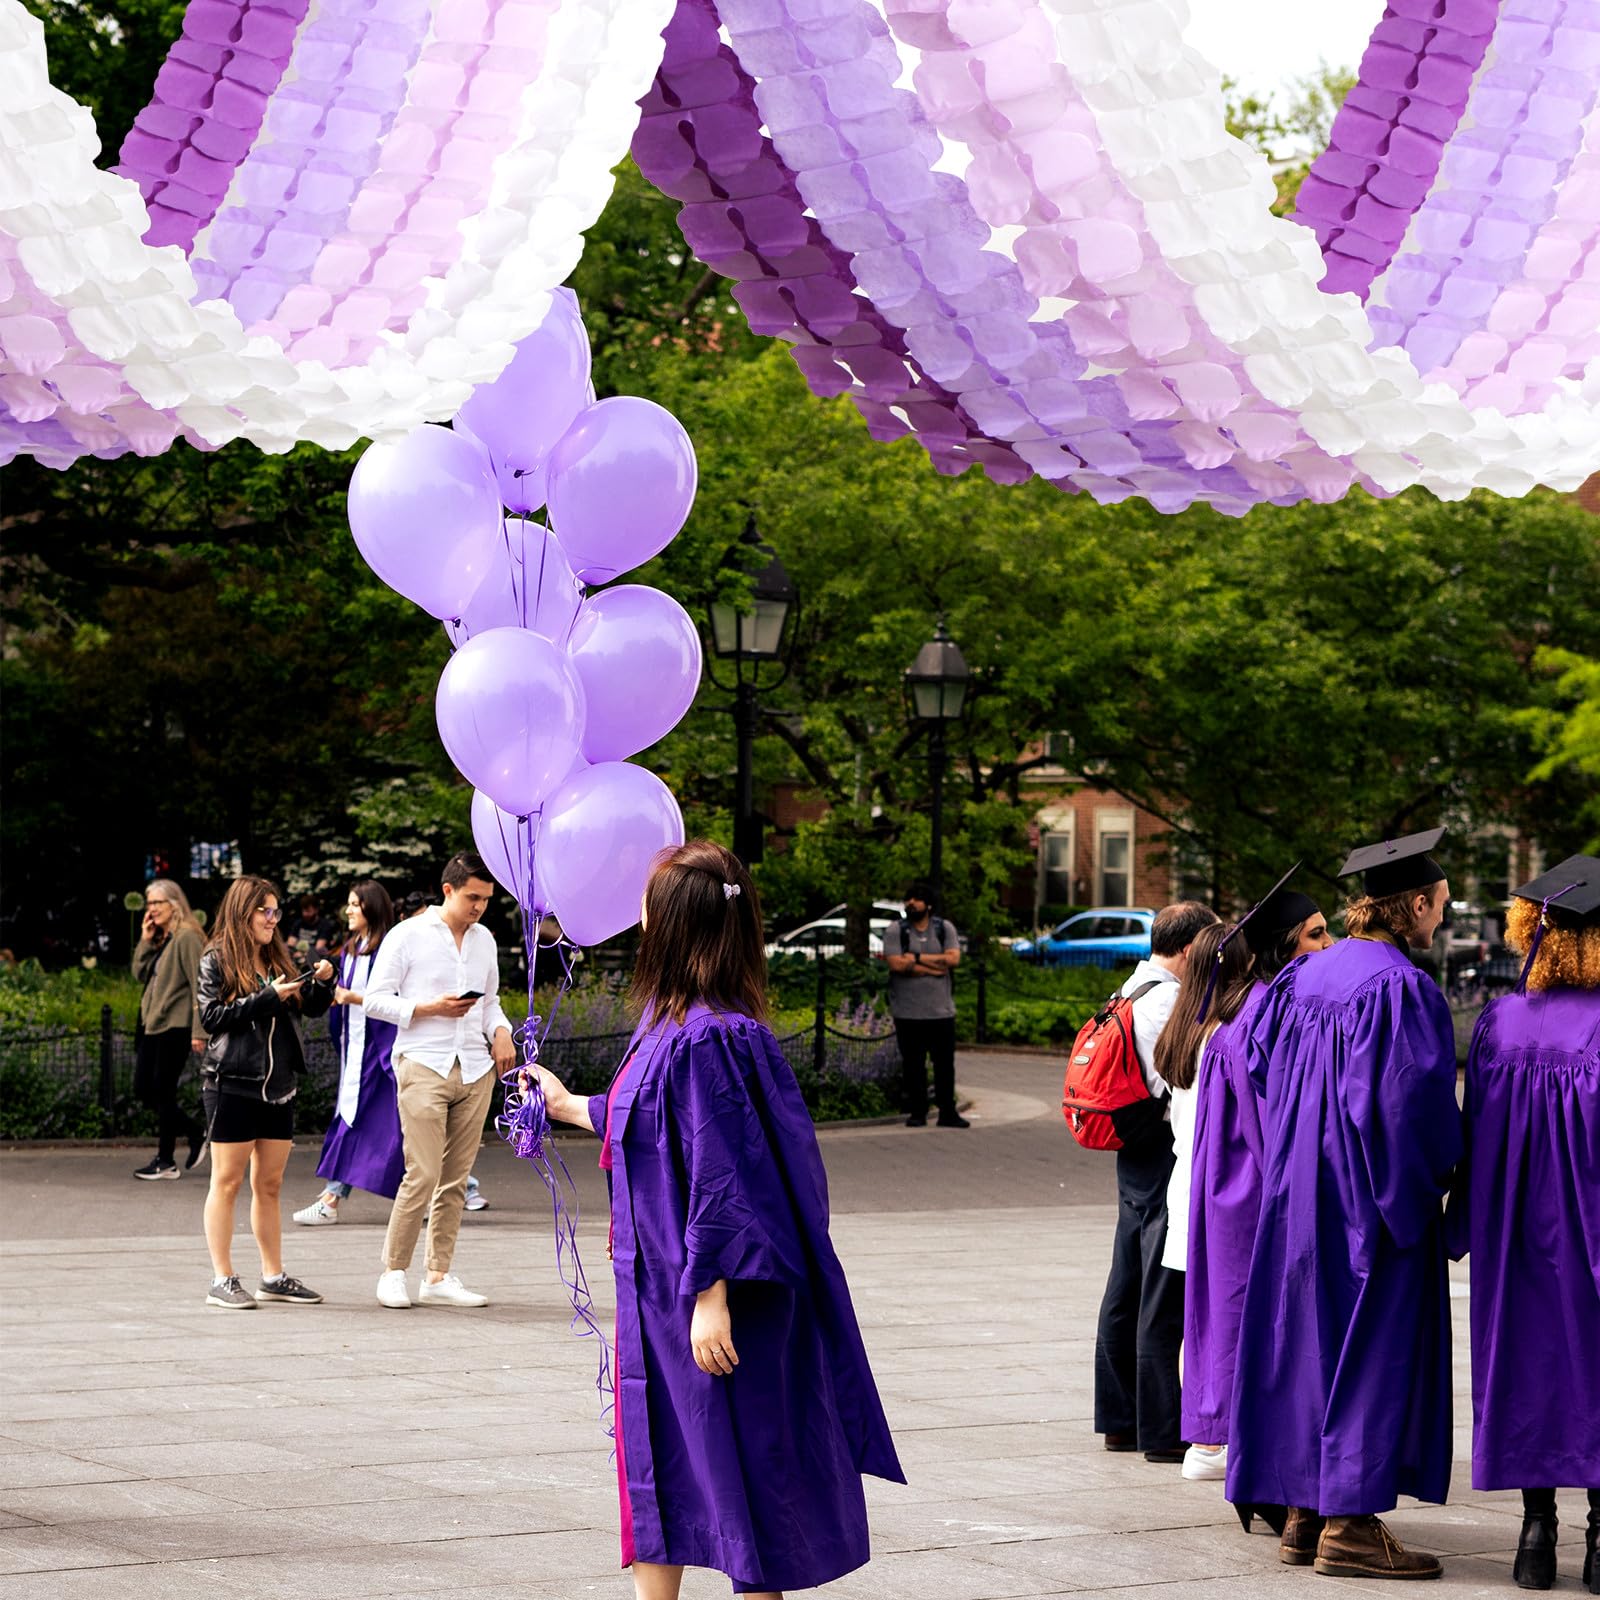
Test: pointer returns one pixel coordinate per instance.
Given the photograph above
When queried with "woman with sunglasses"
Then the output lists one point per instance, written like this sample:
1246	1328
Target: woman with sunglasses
252	997
167	963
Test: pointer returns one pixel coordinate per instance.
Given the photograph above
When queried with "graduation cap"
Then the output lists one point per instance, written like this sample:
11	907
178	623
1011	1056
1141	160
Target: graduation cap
1396	865
1569	893
1264	921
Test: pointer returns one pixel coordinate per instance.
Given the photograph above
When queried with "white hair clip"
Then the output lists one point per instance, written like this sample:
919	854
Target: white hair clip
729	890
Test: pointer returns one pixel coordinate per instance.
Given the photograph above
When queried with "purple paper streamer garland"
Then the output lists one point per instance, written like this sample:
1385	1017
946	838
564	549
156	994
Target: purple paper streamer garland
1389	137
1499	180
700	141
206	110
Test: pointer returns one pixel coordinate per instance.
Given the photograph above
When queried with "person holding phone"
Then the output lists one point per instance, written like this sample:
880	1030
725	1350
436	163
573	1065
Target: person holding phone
437	980
252	997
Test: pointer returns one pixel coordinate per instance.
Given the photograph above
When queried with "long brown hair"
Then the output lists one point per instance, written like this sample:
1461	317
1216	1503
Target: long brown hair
1178	1047
242	957
702	940
1568	958
378	909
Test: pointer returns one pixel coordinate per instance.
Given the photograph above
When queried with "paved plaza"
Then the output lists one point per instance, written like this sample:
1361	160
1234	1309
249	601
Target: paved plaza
150	1447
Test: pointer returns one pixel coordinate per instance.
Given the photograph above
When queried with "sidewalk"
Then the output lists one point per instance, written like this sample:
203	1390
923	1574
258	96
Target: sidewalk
152	1448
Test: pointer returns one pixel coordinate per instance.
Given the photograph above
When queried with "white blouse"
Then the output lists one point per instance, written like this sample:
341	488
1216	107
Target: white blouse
1185	1110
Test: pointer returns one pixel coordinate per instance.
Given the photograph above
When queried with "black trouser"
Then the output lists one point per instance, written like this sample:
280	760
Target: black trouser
919	1038
1141	1317
156	1071
1542	1502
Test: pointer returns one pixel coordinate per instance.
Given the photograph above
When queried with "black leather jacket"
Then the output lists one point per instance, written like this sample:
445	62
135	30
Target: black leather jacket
248	1036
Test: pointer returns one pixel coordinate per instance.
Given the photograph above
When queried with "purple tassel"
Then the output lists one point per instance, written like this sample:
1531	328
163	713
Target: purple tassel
1538	936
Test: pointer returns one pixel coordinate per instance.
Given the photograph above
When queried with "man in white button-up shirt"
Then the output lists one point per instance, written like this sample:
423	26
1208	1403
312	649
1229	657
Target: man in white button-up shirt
437	978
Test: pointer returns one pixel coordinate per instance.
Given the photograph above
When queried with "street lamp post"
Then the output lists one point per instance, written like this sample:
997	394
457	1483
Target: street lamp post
936	688
752	634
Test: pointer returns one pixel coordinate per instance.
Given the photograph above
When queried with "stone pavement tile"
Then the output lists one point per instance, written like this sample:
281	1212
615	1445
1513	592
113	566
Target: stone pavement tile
55	1549
1457	1530
369	1447
40	1469
934	1575
148	1581
567	1471
9	1519
919	1446
1094	1561
953	1477
313	1485
433	1517
201	1457
225	1531
96	1502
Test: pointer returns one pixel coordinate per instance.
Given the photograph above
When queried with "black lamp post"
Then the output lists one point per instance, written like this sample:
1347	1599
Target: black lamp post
936	689
754	634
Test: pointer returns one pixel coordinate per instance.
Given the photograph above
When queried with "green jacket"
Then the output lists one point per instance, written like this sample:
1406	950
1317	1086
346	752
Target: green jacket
168	972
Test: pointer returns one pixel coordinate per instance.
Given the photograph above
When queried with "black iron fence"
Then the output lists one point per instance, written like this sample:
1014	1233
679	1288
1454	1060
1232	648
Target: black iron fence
62	1083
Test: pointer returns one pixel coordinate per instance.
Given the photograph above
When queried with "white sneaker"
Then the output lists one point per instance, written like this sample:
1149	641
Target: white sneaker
449	1291
319	1214
1205	1466
475	1200
392	1291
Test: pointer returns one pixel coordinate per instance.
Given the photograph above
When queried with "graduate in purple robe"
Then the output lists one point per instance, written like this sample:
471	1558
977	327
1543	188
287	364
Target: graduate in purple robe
1225	1188
364	1148
746	1410
1341	1392
1527	1204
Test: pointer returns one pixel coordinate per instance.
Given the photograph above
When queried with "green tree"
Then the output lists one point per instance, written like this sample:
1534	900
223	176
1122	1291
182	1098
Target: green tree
1569	738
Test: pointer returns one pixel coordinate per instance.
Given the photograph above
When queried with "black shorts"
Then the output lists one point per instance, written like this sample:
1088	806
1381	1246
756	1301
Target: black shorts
244	1118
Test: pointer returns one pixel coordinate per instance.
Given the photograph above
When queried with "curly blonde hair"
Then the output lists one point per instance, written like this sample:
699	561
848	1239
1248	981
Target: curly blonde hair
1365	914
1569	958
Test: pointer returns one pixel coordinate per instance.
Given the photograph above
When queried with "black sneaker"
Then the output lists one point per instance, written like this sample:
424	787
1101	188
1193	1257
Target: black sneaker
916	1122
953	1119
198	1146
231	1295
288	1289
157	1168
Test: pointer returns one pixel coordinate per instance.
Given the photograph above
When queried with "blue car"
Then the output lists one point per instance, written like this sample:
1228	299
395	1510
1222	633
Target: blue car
1110	936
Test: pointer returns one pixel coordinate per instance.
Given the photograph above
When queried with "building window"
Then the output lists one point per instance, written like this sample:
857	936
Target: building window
1056	868
1113	857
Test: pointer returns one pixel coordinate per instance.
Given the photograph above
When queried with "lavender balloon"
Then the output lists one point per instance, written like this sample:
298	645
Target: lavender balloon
602	829
506	844
638	654
426	517
532	403
520	491
533	587
622	481
510	712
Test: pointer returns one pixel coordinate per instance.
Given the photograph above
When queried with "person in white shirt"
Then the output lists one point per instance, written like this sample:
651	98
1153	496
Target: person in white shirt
437	979
1136	1393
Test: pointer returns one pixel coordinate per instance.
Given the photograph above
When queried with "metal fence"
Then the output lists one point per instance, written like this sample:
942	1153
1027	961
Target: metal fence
60	1083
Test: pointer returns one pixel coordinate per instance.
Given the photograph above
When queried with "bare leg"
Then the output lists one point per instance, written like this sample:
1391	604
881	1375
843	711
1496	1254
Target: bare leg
266	1215
652	1581
228	1163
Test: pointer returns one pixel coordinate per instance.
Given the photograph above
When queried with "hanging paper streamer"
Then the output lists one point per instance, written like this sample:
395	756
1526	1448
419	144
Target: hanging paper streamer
1050	258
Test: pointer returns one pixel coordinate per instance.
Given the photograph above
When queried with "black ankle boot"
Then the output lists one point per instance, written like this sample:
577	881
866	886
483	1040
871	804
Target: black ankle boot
1535	1566
1591	1561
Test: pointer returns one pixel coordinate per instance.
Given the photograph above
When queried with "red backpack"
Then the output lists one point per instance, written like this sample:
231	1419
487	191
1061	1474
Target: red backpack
1105	1099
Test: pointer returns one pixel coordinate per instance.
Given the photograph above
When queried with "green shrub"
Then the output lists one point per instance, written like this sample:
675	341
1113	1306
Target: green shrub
32	998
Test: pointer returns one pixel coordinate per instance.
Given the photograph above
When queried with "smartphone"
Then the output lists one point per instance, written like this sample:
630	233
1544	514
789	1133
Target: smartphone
471	994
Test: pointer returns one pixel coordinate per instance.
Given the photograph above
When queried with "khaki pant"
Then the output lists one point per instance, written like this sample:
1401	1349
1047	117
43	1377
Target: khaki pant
442	1121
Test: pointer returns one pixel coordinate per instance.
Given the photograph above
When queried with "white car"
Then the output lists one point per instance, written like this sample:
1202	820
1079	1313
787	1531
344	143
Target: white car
825	935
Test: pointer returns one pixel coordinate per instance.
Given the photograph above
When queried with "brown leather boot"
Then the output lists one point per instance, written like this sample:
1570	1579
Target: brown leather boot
1362	1547
1298	1545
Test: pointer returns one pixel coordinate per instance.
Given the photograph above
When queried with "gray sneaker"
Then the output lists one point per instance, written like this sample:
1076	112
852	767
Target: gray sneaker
231	1295
283	1287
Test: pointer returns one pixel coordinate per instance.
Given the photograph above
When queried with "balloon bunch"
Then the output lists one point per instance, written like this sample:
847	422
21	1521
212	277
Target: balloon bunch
549	690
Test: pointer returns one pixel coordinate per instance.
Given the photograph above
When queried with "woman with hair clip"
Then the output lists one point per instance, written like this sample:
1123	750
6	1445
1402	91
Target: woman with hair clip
1526	1202
1219	964
1223	1200
746	1411
252	996
363	1148
167	963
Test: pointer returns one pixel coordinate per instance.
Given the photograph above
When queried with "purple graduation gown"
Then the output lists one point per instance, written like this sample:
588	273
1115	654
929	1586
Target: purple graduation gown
1527	1205
718	1175
1224	1204
1341	1395
364	1146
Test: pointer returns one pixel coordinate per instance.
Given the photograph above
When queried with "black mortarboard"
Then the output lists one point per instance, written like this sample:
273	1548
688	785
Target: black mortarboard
1397	865
1568	891
1280	911
1250	925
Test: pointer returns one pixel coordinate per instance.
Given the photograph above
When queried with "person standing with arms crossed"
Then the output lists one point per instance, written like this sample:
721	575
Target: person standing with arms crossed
437	979
922	951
